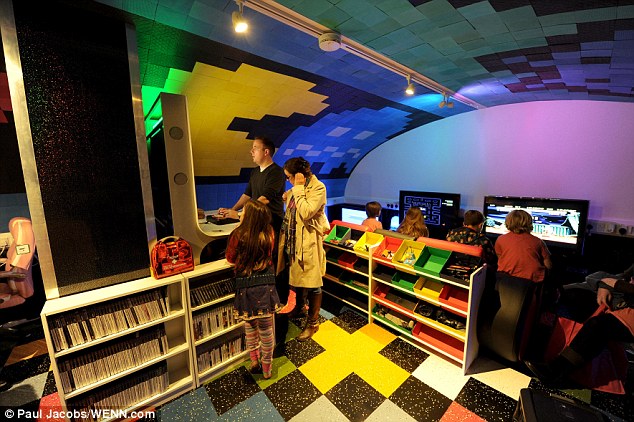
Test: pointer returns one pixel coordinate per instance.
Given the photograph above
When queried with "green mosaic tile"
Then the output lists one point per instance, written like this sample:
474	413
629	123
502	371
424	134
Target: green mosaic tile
170	16
386	26
353	7
370	15
489	25
446	46
392	7
477	10
435	8
502	73
532	42
596	15
312	7
381	43
477	51
625	12
422	27
404	57
333	17
427	51
351	27
291	4
518	14
408	17
364	36
522	24
550	31
468	63
448	19
495	40
402	35
558	19
528	34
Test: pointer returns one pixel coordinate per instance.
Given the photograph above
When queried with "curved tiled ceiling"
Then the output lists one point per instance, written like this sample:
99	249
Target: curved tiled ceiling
335	107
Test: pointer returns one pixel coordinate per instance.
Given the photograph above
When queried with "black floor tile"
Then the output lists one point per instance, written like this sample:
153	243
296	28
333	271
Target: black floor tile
420	401
301	352
355	398
26	369
404	354
292	394
231	389
350	321
620	405
486	402
49	387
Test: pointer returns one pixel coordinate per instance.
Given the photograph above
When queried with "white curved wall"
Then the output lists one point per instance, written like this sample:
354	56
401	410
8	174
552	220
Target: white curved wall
557	149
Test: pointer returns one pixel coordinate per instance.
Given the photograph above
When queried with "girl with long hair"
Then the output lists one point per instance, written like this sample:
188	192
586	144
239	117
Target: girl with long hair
250	248
414	224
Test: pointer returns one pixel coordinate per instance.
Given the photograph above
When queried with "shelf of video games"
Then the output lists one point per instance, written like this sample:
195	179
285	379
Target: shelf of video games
218	338
122	347
428	294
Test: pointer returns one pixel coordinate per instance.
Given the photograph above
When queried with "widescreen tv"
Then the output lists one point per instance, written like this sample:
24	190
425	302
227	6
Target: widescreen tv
559	222
441	210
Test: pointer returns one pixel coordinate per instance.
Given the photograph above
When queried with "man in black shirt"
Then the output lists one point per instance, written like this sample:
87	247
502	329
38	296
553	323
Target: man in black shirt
266	184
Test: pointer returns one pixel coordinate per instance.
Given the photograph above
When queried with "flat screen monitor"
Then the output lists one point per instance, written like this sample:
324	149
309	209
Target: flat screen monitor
441	210
559	222
351	215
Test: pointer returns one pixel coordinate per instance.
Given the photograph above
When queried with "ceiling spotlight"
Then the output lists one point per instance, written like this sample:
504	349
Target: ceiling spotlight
239	24
410	87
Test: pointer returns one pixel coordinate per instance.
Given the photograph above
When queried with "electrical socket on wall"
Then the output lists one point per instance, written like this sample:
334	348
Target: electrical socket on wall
604	227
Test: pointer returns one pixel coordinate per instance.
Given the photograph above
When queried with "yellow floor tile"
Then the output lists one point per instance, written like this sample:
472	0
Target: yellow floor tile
382	374
27	351
327	369
330	335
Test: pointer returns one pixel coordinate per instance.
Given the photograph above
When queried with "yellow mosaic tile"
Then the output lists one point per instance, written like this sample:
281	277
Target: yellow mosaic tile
378	371
328	369
358	352
220	95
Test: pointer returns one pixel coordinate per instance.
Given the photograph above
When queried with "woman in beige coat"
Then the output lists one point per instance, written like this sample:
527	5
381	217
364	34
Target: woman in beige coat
301	239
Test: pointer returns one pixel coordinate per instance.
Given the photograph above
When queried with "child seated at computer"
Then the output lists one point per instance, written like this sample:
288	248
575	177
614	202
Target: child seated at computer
414	224
373	211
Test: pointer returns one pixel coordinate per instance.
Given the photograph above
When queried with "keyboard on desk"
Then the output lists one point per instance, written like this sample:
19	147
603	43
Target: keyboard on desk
221	221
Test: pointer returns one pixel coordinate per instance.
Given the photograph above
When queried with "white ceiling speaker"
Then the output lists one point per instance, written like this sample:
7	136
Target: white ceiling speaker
330	41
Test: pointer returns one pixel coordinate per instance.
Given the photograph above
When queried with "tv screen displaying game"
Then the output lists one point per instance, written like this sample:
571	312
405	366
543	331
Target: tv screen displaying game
441	210
559	222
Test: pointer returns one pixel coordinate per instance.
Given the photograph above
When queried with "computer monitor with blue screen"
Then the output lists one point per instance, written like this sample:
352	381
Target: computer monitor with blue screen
559	222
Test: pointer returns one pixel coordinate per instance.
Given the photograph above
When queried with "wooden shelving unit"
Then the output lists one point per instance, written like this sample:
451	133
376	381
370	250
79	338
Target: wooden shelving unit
121	337
392	300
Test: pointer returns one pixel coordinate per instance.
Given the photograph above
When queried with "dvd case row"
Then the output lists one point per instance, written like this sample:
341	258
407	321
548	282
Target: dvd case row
126	393
211	354
131	351
213	321
210	292
93	322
